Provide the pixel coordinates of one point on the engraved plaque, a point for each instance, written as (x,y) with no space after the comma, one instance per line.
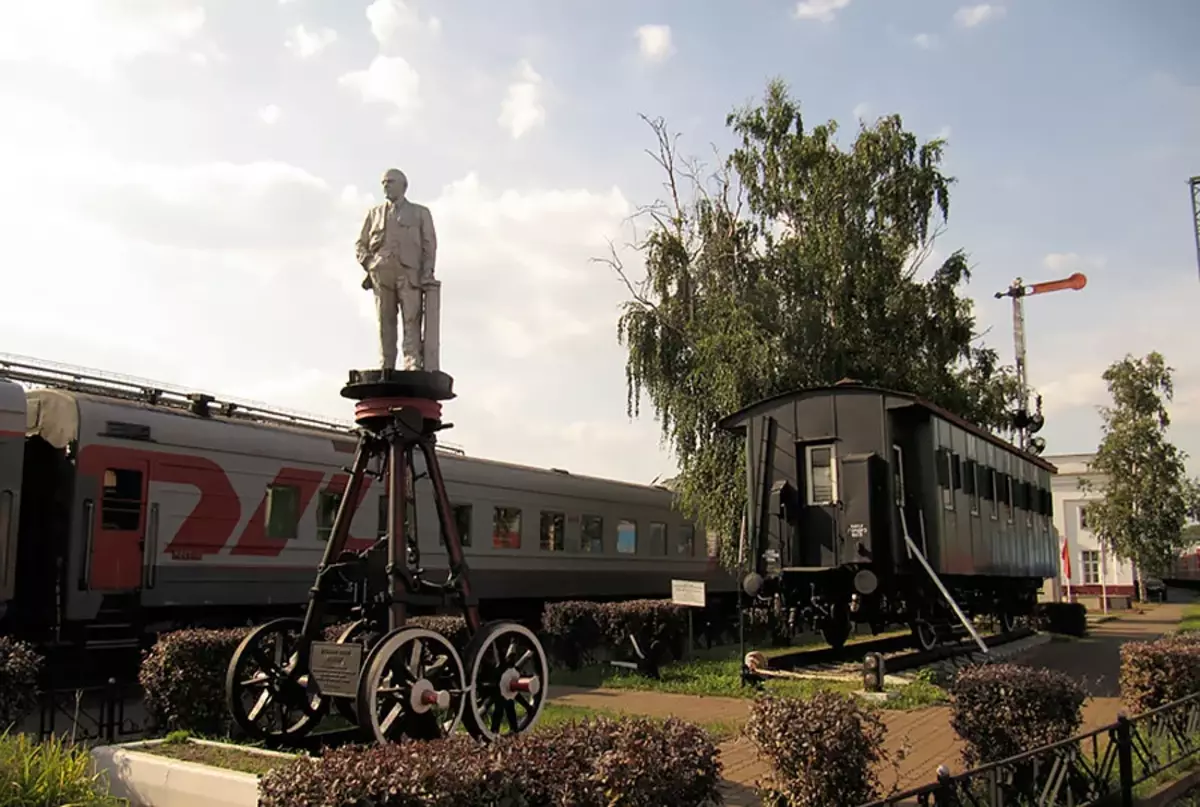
(335,667)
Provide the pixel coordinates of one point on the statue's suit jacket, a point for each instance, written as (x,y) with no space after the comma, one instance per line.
(417,241)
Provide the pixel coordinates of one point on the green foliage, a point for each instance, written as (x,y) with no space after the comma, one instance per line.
(796,266)
(632,762)
(1147,495)
(20,666)
(1067,618)
(577,629)
(822,751)
(1156,673)
(51,773)
(1002,710)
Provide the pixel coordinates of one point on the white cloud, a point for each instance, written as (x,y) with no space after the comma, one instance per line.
(522,109)
(94,37)
(388,80)
(654,42)
(304,43)
(822,10)
(269,114)
(971,16)
(1068,262)
(925,41)
(391,19)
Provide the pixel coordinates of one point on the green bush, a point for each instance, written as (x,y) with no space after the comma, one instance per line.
(653,622)
(1001,710)
(49,774)
(1067,618)
(593,763)
(20,667)
(183,679)
(1155,673)
(822,750)
(573,629)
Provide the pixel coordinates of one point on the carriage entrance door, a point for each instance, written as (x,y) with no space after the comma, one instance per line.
(819,528)
(118,528)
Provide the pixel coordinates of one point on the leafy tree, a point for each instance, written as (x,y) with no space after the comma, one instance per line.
(1148,496)
(795,264)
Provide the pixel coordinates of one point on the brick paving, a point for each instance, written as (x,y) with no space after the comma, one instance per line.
(924,734)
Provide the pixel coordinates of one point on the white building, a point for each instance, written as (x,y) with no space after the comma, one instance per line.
(1092,569)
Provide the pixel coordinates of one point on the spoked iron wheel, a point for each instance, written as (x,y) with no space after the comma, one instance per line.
(926,634)
(359,632)
(1007,620)
(413,687)
(268,691)
(836,628)
(509,675)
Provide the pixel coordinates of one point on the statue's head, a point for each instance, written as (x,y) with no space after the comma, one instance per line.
(395,184)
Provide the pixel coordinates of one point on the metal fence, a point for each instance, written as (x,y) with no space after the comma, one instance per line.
(101,713)
(1101,767)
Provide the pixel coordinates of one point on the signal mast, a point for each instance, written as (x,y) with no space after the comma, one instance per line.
(1194,184)
(1027,423)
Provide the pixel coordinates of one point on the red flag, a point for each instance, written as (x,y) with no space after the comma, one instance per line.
(1066,559)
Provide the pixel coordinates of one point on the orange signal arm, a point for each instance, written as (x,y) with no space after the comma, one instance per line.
(1075,281)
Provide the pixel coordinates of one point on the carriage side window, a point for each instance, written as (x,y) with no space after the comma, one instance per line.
(685,543)
(591,534)
(898,474)
(327,507)
(121,503)
(821,477)
(945,477)
(506,528)
(283,511)
(1008,498)
(554,525)
(971,485)
(627,537)
(658,538)
(1027,502)
(994,487)
(462,523)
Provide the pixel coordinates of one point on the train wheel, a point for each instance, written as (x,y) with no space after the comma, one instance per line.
(1008,622)
(356,632)
(925,633)
(268,691)
(836,628)
(509,677)
(414,687)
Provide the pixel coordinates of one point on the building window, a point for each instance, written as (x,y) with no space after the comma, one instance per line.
(553,527)
(898,475)
(591,534)
(327,507)
(1083,518)
(1090,561)
(822,474)
(685,544)
(506,528)
(121,502)
(626,537)
(658,538)
(283,511)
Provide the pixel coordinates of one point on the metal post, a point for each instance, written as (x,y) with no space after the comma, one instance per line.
(1018,303)
(1194,184)
(1125,759)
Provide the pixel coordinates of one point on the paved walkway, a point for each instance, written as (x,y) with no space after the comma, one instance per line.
(925,734)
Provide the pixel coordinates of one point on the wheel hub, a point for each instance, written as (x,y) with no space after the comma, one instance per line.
(512,684)
(425,696)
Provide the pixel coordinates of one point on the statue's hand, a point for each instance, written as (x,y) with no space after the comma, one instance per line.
(366,283)
(429,282)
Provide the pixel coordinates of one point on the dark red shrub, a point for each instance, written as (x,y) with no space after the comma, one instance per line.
(1156,673)
(650,621)
(573,629)
(183,679)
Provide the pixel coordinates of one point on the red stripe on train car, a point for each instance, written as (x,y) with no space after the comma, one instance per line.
(208,527)
(337,484)
(254,540)
(10,433)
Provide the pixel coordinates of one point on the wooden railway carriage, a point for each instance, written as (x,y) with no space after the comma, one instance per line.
(139,516)
(873,506)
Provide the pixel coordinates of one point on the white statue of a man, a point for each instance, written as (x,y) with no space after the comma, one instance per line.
(397,248)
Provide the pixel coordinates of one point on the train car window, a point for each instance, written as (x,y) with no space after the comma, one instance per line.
(327,506)
(462,522)
(658,538)
(591,534)
(945,477)
(994,487)
(1027,502)
(506,528)
(626,537)
(685,543)
(898,474)
(554,527)
(283,511)
(1008,498)
(121,504)
(971,485)
(821,474)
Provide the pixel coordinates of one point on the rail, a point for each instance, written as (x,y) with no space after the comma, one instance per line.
(1103,766)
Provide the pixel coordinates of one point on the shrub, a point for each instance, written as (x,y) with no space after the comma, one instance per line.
(822,750)
(1155,673)
(183,679)
(574,630)
(1068,618)
(50,772)
(593,763)
(1001,710)
(20,667)
(651,621)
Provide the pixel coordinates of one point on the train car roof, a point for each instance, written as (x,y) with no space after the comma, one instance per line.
(56,419)
(736,422)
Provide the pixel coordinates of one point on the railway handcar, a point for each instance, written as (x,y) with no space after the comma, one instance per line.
(137,516)
(873,506)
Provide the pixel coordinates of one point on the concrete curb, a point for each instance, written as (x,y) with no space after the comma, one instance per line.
(149,780)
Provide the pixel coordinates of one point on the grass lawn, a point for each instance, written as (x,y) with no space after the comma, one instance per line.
(1191,618)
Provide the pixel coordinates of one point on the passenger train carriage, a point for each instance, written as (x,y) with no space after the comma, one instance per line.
(876,507)
(136,516)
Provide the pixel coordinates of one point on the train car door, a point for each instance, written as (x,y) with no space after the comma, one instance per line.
(819,470)
(118,528)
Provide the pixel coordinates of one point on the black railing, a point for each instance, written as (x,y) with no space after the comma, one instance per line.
(1102,767)
(91,714)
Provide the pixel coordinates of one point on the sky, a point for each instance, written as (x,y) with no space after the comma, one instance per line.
(182,183)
